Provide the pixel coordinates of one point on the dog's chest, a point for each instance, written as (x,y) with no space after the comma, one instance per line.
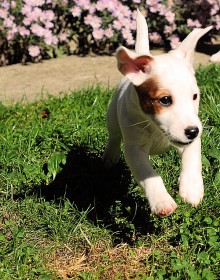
(153,141)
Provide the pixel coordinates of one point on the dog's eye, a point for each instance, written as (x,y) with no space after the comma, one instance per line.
(195,96)
(165,101)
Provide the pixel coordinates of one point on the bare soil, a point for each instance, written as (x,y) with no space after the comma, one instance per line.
(32,81)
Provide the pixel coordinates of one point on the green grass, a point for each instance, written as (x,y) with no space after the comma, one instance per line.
(62,215)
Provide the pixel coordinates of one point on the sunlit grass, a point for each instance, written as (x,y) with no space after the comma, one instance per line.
(63,215)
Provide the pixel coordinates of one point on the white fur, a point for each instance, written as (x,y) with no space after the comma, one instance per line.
(145,134)
(142,40)
(215,57)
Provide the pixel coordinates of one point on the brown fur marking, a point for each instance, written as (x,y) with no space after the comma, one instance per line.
(149,92)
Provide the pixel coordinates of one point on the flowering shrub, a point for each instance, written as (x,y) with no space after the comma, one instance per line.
(34,29)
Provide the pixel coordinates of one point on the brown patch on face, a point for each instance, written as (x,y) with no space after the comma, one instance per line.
(149,92)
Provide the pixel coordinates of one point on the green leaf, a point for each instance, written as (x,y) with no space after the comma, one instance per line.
(208,220)
(214,153)
(54,163)
(205,161)
(217,178)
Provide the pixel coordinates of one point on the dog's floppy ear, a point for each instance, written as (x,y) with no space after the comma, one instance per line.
(186,48)
(135,67)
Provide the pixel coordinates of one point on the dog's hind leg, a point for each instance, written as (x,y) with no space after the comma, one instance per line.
(112,151)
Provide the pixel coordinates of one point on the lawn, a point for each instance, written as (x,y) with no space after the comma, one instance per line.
(63,216)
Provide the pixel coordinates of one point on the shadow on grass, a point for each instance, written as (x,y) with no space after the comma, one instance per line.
(207,48)
(85,182)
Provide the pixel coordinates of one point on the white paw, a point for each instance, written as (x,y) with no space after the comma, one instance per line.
(161,203)
(163,206)
(191,189)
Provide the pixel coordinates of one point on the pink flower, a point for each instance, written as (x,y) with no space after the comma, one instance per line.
(98,34)
(5,4)
(76,11)
(214,9)
(170,3)
(126,33)
(170,17)
(49,15)
(50,39)
(92,9)
(36,13)
(37,29)
(26,10)
(23,31)
(174,41)
(190,22)
(49,25)
(100,6)
(133,25)
(34,51)
(162,9)
(134,14)
(154,8)
(167,29)
(13,4)
(3,13)
(10,33)
(26,21)
(125,22)
(193,23)
(217,19)
(151,2)
(63,36)
(125,11)
(117,25)
(130,41)
(197,23)
(96,22)
(8,22)
(84,4)
(155,37)
(35,3)
(55,40)
(47,33)
(88,19)
(109,33)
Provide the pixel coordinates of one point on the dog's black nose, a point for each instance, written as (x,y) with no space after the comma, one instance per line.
(191,132)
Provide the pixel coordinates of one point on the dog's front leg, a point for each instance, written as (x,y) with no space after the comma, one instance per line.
(191,183)
(161,203)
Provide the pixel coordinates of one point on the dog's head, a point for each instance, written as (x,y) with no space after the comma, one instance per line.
(167,88)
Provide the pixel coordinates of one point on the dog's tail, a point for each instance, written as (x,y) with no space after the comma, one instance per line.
(142,41)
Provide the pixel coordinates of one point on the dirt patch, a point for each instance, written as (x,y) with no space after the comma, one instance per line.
(31,82)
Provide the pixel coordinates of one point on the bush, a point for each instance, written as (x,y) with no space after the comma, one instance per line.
(34,29)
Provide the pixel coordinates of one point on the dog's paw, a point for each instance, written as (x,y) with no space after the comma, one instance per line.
(191,189)
(163,206)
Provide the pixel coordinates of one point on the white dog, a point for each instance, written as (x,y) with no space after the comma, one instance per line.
(155,107)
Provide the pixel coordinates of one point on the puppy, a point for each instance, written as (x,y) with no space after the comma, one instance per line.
(156,106)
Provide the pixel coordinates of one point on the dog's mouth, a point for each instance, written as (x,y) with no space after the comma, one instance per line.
(179,143)
(175,142)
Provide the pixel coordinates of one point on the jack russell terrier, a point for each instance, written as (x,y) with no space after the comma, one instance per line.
(156,106)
